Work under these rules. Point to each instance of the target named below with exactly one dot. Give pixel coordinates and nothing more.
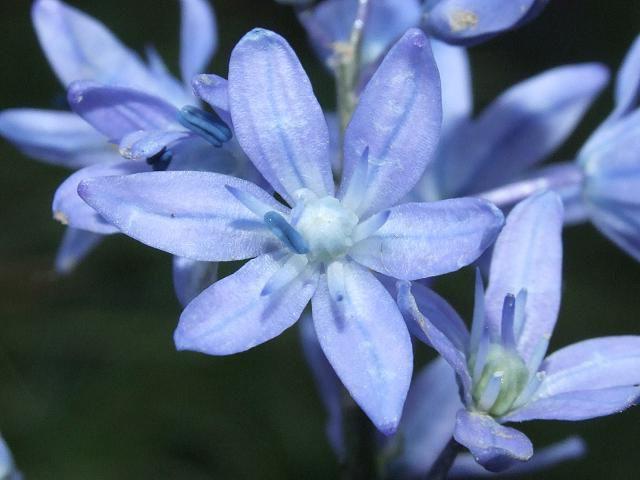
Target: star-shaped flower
(500, 365)
(323, 246)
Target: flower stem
(347, 65)
(360, 445)
(444, 462)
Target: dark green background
(90, 383)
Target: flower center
(326, 227)
(500, 382)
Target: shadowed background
(90, 383)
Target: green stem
(444, 462)
(360, 445)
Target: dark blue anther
(285, 232)
(161, 160)
(206, 124)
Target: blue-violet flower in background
(501, 366)
(323, 248)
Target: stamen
(161, 160)
(538, 355)
(477, 325)
(335, 281)
(358, 183)
(519, 315)
(491, 392)
(206, 124)
(252, 203)
(370, 226)
(293, 267)
(481, 353)
(285, 232)
(508, 311)
(534, 382)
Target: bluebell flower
(467, 22)
(323, 248)
(423, 434)
(500, 365)
(600, 185)
(70, 40)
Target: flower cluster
(351, 212)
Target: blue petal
(366, 341)
(212, 89)
(59, 138)
(430, 316)
(327, 382)
(466, 22)
(427, 422)
(277, 119)
(81, 48)
(455, 78)
(70, 209)
(198, 37)
(117, 111)
(232, 315)
(612, 186)
(519, 129)
(422, 240)
(76, 245)
(189, 214)
(191, 278)
(627, 90)
(492, 445)
(572, 448)
(398, 120)
(588, 379)
(528, 255)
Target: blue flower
(8, 470)
(323, 248)
(501, 365)
(467, 22)
(70, 40)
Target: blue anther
(161, 160)
(285, 232)
(206, 124)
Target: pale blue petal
(587, 379)
(492, 445)
(398, 121)
(277, 119)
(428, 420)
(571, 448)
(212, 89)
(117, 111)
(627, 89)
(76, 245)
(189, 214)
(422, 240)
(59, 138)
(327, 382)
(366, 341)
(612, 187)
(81, 48)
(528, 255)
(69, 209)
(521, 128)
(198, 37)
(173, 91)
(8, 470)
(455, 78)
(192, 277)
(232, 315)
(430, 315)
(467, 22)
